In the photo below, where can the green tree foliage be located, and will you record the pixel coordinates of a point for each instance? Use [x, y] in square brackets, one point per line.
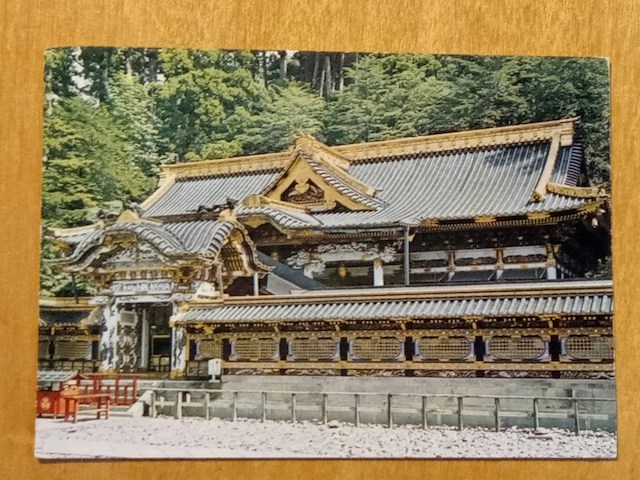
[388, 96]
[88, 163]
[291, 109]
[58, 74]
[133, 112]
[205, 101]
[567, 87]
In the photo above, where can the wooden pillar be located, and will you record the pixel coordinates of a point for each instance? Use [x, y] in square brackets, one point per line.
[256, 285]
[283, 352]
[407, 253]
[109, 337]
[479, 347]
[552, 270]
[378, 273]
[179, 351]
[144, 340]
[344, 354]
[408, 354]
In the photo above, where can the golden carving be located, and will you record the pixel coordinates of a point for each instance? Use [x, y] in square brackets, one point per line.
[578, 192]
[541, 188]
[301, 183]
[485, 219]
[257, 201]
[128, 216]
[538, 215]
[307, 193]
[429, 222]
[590, 207]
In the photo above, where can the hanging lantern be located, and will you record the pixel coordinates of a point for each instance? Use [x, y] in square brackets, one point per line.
[343, 272]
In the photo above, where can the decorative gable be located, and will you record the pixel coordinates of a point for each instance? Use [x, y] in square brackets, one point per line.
[307, 193]
[318, 180]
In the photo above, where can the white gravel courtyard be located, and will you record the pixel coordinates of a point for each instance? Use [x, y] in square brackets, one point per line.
[165, 437]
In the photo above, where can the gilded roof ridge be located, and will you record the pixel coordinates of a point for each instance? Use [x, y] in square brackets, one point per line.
[479, 138]
[577, 192]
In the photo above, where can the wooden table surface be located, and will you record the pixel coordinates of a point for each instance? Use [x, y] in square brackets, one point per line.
[516, 27]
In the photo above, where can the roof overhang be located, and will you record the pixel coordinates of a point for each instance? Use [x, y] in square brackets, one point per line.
[506, 300]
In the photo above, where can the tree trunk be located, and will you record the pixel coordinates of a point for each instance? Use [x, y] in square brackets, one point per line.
[48, 95]
[283, 65]
[341, 73]
[128, 62]
[152, 69]
[106, 66]
[264, 68]
[322, 79]
[327, 72]
[316, 65]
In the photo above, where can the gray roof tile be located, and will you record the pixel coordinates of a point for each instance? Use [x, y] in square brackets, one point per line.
[563, 301]
[497, 180]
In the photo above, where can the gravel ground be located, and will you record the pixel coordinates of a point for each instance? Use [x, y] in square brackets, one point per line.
[198, 438]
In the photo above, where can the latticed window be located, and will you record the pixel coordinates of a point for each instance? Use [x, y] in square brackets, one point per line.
[211, 348]
[43, 349]
[523, 348]
[73, 349]
[312, 348]
[444, 348]
[255, 348]
[374, 348]
[582, 346]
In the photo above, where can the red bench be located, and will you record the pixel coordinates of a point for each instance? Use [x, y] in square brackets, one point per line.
[102, 402]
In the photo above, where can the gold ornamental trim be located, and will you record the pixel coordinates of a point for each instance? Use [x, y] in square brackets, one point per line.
[485, 219]
[538, 215]
[300, 174]
[545, 177]
[257, 201]
[542, 131]
[577, 192]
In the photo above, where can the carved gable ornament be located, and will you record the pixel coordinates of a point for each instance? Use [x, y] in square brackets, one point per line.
[317, 179]
[307, 193]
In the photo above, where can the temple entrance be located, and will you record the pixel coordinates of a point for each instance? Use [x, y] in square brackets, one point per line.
[158, 338]
[144, 337]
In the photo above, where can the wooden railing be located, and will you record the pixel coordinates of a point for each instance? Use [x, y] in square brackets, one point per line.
[183, 399]
[121, 388]
[198, 368]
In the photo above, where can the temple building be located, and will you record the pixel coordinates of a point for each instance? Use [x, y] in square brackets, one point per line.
[450, 254]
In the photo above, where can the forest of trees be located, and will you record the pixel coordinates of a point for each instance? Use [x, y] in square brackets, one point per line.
[113, 115]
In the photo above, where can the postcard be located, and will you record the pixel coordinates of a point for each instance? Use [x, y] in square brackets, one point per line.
[286, 254]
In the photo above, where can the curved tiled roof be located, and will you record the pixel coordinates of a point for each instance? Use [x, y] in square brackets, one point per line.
[155, 234]
[416, 306]
[493, 177]
[495, 181]
[284, 217]
[344, 188]
[186, 195]
[201, 237]
[171, 239]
